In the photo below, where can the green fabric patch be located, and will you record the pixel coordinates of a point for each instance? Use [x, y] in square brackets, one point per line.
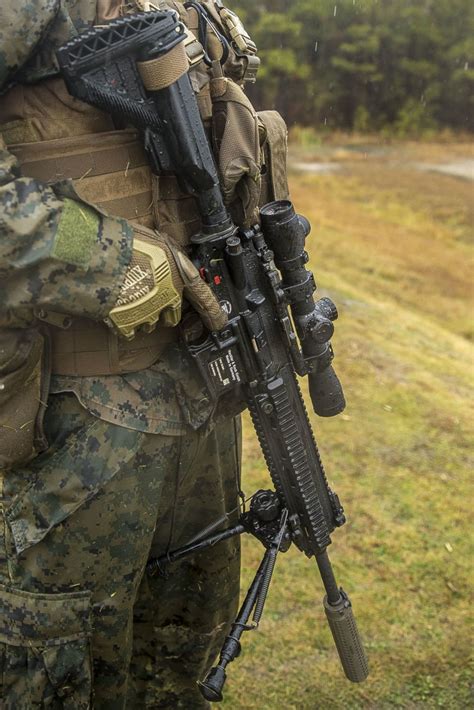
[76, 234]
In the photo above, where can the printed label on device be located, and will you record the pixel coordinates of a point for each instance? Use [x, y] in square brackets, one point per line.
[224, 369]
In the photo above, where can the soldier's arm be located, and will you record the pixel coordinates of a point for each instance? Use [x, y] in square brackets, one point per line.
[56, 252]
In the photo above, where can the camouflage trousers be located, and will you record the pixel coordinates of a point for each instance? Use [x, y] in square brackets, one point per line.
[81, 625]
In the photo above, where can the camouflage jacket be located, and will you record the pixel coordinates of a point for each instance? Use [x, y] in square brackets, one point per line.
[42, 267]
[38, 268]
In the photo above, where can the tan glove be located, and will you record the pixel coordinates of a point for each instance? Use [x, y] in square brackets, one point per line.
[157, 278]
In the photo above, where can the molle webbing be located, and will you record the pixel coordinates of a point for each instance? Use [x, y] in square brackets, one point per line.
[175, 212]
[90, 349]
[109, 170]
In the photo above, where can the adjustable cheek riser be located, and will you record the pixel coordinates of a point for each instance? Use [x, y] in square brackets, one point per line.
[182, 146]
[136, 68]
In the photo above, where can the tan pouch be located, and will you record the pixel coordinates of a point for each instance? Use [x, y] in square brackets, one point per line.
[241, 63]
[274, 142]
[235, 138]
[24, 383]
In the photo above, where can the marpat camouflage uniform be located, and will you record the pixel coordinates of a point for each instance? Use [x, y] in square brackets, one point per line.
[134, 464]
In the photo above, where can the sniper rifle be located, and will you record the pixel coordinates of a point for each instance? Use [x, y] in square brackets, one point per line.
[275, 329]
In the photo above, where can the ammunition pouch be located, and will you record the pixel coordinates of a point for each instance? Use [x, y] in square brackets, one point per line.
[24, 375]
[236, 142]
[175, 212]
[274, 146]
[108, 169]
[91, 349]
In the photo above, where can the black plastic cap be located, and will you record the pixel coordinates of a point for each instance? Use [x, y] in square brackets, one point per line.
[326, 393]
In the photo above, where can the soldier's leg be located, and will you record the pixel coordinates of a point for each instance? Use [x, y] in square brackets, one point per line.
[75, 535]
[181, 621]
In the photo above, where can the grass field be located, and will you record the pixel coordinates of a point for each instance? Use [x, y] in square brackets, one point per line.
[391, 245]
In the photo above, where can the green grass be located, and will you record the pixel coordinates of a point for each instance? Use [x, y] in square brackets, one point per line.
[392, 249]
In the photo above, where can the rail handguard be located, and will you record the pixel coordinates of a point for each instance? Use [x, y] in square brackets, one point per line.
[136, 69]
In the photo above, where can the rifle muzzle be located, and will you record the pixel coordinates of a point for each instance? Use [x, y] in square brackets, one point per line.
[346, 637]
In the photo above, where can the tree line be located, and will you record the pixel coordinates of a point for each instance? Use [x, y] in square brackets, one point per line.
[365, 64]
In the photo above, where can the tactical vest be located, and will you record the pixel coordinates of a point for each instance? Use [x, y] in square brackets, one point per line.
[56, 137]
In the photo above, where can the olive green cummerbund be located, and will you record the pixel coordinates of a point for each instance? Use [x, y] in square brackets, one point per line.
[87, 348]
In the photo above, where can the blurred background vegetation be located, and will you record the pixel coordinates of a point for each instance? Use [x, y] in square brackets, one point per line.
[391, 243]
[402, 66]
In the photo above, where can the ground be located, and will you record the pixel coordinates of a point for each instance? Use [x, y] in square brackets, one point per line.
[391, 244]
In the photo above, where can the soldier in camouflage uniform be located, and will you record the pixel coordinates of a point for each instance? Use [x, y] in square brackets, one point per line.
[109, 449]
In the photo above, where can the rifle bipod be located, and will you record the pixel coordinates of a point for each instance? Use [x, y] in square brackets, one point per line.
[266, 521]
[262, 521]
[211, 686]
[269, 523]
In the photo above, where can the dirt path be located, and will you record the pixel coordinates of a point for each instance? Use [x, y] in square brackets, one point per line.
[331, 158]
[459, 168]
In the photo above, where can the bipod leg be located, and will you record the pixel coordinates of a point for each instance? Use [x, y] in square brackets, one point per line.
[157, 564]
[211, 687]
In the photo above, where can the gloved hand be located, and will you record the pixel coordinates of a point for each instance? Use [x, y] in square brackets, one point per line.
[158, 277]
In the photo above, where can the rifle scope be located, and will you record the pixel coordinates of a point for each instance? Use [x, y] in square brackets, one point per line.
[285, 233]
